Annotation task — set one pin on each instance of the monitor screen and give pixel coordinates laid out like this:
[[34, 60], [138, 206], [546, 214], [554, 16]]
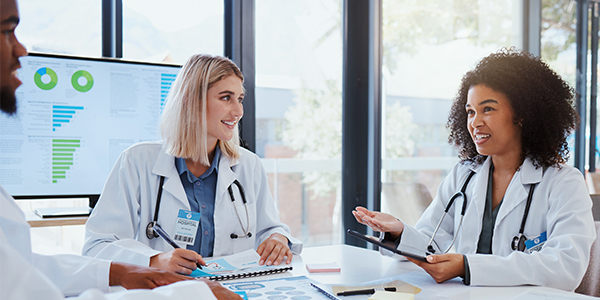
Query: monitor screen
[[74, 117]]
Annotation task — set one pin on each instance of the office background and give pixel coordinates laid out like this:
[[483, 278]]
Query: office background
[[347, 100]]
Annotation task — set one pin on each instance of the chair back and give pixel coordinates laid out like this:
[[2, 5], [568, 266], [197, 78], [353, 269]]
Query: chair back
[[596, 206], [590, 285]]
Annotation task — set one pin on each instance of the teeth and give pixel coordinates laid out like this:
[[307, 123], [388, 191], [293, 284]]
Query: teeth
[[229, 123], [482, 136]]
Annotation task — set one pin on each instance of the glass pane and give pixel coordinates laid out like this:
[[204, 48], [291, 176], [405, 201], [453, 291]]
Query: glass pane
[[171, 31], [69, 27], [558, 44], [299, 110], [427, 49]]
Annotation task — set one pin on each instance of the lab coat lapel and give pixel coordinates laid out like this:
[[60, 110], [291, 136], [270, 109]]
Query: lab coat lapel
[[225, 178], [471, 227], [518, 189], [165, 166]]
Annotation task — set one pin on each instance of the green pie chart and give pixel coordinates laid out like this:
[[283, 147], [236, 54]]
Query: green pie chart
[[37, 78], [76, 82]]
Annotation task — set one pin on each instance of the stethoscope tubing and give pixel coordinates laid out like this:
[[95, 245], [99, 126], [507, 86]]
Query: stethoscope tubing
[[150, 233], [518, 242]]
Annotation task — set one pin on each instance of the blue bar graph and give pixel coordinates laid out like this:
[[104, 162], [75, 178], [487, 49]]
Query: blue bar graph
[[63, 114], [166, 80]]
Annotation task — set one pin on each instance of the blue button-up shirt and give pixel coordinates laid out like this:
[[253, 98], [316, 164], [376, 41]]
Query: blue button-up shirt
[[200, 192]]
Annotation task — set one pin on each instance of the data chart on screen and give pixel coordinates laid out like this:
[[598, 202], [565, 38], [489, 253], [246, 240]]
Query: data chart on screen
[[74, 117]]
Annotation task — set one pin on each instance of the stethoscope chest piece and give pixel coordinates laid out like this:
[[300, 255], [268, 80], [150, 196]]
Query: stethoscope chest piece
[[518, 242], [150, 233]]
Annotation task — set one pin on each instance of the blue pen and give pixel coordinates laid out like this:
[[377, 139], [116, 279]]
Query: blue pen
[[167, 238]]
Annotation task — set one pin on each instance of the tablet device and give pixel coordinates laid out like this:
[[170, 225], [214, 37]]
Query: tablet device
[[384, 246]]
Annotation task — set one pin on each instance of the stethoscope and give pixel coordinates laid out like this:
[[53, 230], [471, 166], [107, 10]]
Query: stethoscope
[[518, 241], [150, 232]]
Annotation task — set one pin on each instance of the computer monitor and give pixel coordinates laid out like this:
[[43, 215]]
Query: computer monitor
[[75, 116]]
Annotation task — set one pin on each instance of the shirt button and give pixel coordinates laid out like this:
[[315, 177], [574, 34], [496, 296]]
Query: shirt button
[[206, 232], [197, 182], [203, 206]]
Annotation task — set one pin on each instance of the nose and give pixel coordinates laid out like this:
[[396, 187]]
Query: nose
[[476, 121], [19, 49], [238, 110]]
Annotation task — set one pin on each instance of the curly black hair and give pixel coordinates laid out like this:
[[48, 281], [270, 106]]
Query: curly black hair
[[542, 103]]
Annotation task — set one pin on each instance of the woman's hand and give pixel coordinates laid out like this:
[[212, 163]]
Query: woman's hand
[[378, 221], [138, 277], [442, 266], [273, 250], [178, 260]]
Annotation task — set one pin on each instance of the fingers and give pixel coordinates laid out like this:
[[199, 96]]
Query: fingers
[[274, 258], [289, 255], [266, 251], [358, 217], [434, 259], [261, 248], [184, 261], [417, 262], [366, 211], [190, 255], [366, 220], [273, 251]]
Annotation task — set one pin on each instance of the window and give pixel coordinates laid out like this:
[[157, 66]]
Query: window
[[427, 49], [298, 112], [171, 31], [558, 45], [68, 27]]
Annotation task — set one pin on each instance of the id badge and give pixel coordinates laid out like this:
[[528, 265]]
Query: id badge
[[536, 243], [186, 226]]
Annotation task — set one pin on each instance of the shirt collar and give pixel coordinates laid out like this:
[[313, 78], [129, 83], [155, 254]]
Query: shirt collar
[[183, 169]]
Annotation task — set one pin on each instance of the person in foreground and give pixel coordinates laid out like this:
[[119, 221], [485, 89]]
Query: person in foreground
[[208, 194], [528, 218], [27, 275]]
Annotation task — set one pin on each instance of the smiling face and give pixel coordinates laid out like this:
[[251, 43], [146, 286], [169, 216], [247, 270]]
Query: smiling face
[[223, 109], [10, 51], [490, 120]]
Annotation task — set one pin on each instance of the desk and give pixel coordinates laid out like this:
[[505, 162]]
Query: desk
[[37, 221], [362, 265]]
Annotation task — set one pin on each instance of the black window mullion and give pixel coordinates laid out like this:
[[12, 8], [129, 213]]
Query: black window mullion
[[581, 82], [112, 28], [361, 111], [240, 47]]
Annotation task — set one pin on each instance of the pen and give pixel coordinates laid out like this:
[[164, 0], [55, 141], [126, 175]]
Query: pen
[[166, 237], [364, 292], [357, 292]]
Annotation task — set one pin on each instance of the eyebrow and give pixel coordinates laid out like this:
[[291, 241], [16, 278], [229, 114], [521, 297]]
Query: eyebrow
[[227, 92], [11, 19], [486, 101]]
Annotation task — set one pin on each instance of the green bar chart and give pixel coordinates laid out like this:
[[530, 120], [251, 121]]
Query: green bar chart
[[63, 151]]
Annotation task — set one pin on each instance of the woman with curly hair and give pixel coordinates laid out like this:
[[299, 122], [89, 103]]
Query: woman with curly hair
[[523, 218]]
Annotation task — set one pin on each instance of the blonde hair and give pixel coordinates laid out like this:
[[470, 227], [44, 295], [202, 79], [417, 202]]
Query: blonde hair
[[183, 122]]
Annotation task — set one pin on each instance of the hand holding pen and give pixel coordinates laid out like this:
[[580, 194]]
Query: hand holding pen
[[178, 260]]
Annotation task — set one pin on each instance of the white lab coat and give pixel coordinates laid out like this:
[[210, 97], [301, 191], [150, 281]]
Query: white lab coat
[[116, 228], [561, 206], [27, 275]]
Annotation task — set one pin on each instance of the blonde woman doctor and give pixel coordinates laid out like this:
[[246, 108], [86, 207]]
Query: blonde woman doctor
[[214, 198]]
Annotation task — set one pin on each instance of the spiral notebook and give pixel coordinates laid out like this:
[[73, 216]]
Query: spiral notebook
[[239, 265], [294, 288]]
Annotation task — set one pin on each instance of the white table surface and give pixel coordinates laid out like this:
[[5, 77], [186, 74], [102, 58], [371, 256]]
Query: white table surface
[[360, 266]]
